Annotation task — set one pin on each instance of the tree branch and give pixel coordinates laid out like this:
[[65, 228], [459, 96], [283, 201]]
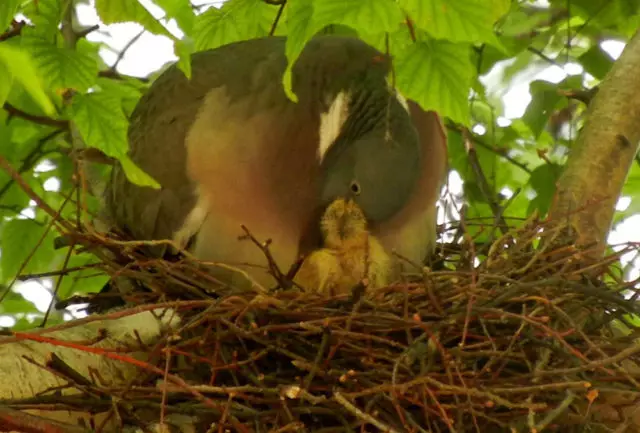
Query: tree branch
[[589, 187], [42, 120]]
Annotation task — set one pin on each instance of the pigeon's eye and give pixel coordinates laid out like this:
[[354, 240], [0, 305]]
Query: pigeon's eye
[[355, 187]]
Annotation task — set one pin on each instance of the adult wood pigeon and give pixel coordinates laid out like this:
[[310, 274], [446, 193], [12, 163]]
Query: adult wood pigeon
[[230, 149]]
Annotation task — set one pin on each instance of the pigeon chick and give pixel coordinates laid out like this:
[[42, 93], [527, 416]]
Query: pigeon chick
[[350, 254]]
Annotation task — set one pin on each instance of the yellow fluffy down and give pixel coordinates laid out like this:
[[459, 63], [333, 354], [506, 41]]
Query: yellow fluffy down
[[350, 254]]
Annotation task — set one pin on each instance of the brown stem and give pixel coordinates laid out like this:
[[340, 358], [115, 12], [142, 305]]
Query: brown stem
[[42, 120], [599, 162], [16, 29], [85, 32], [483, 184], [274, 25]]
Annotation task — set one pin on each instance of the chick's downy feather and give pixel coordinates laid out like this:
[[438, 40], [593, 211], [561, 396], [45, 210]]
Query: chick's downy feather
[[350, 253]]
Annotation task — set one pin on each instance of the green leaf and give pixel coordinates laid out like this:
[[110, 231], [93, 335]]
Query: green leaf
[[103, 125], [301, 29], [13, 199], [30, 321], [45, 14], [521, 22], [632, 185], [62, 68], [437, 75], [214, 28], [136, 175], [459, 20], [544, 97], [181, 11], [101, 122], [6, 81], [484, 113], [596, 62], [236, 20], [8, 9], [15, 303], [543, 181], [19, 238], [397, 40], [20, 140], [608, 14], [20, 64], [306, 17], [120, 11], [128, 91], [498, 8], [362, 15], [183, 49], [629, 26]]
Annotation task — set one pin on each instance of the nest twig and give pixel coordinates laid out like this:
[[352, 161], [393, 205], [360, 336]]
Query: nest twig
[[518, 339]]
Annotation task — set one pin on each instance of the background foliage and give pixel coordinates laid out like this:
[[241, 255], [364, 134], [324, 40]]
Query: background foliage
[[60, 98]]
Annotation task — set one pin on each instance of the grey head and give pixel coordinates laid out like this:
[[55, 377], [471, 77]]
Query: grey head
[[376, 158]]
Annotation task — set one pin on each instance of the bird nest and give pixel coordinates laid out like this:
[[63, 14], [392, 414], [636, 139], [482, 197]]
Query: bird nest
[[509, 336]]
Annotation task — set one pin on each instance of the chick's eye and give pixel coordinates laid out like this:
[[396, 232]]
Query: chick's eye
[[355, 187]]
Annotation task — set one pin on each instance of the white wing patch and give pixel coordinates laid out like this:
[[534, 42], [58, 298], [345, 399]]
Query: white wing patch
[[192, 223], [399, 96], [331, 122], [402, 100]]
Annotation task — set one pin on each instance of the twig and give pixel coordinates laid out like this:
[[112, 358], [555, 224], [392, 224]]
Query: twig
[[337, 396], [274, 26], [124, 50], [588, 21], [584, 96], [176, 380], [16, 29], [544, 57], [554, 18], [60, 277], [64, 271], [555, 413], [108, 73], [483, 184], [4, 164], [326, 334], [42, 120], [85, 32], [280, 277], [412, 31], [29, 161], [24, 264], [503, 154], [18, 420]]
